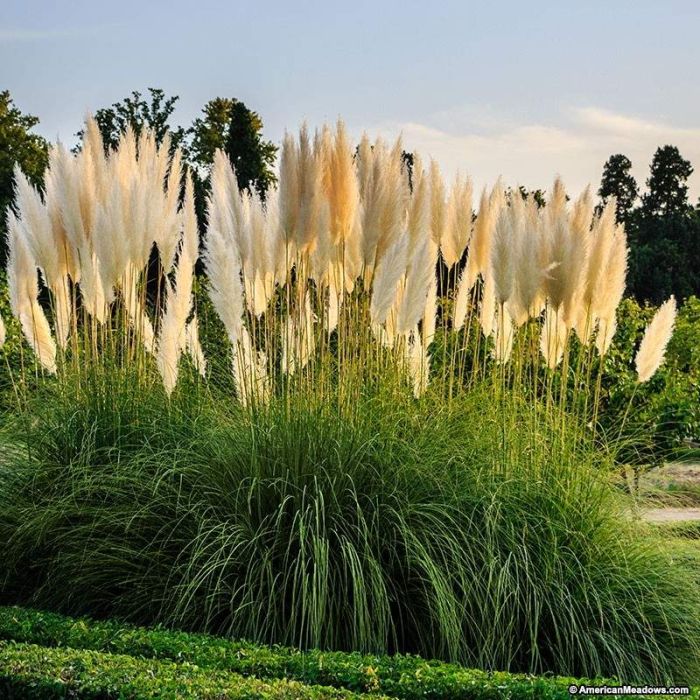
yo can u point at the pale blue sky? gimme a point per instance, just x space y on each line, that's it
521 90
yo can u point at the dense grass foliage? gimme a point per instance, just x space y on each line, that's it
404 677
398 525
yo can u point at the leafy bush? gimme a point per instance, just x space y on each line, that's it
661 414
30 672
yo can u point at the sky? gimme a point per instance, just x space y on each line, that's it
522 90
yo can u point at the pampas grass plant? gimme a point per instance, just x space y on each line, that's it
392 468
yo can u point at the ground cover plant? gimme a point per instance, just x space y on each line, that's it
396 460
403 677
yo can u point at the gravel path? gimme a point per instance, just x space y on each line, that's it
671 515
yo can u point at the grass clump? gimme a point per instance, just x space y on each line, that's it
392 527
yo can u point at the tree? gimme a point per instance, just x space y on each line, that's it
668 191
137 112
618 182
252 157
227 124
17 145
209 133
664 233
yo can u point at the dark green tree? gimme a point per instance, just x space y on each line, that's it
251 156
618 182
138 112
667 183
227 124
209 132
17 145
664 233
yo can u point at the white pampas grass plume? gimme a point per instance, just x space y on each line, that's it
605 334
601 241
652 349
430 313
38 332
458 225
487 310
613 287
223 268
384 198
421 272
580 224
179 298
194 348
503 337
419 206
553 337
530 268
386 279
503 253
250 376
289 186
559 249
438 208
3 332
341 184
417 362
24 290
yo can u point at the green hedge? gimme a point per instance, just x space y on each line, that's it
31 672
405 677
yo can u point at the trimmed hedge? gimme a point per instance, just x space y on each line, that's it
404 677
31 672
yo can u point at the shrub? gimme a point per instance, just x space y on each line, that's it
405 677
29 672
661 415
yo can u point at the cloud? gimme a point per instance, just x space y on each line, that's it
575 144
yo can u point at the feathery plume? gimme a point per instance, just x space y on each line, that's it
652 349
503 337
438 218
194 348
430 313
553 336
24 290
420 273
604 335
390 270
458 224
487 310
417 362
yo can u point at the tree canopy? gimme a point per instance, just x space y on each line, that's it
17 145
137 112
618 182
663 229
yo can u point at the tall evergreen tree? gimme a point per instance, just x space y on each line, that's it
618 182
667 183
664 233
252 157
